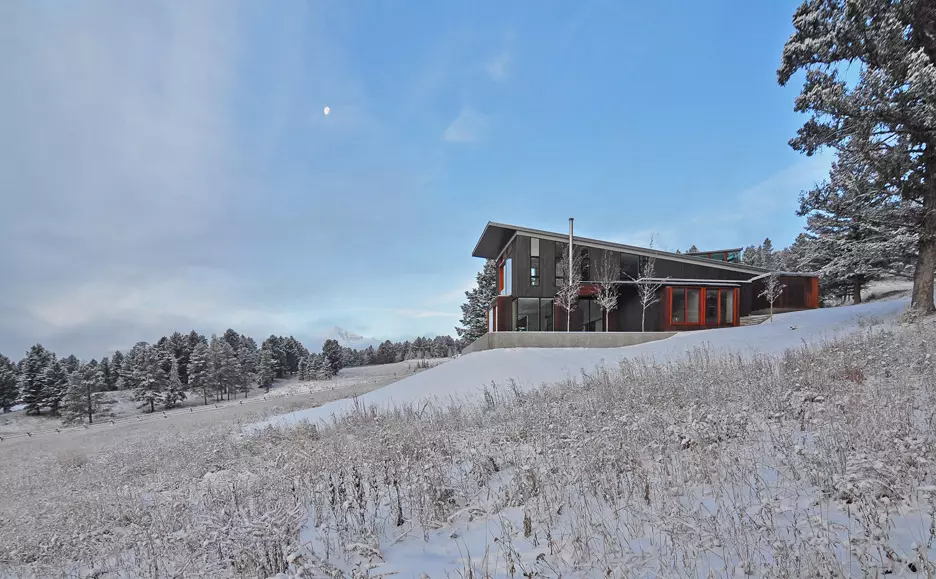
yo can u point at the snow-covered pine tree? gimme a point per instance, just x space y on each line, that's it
201 375
478 300
266 369
151 380
889 101
331 353
247 357
104 368
116 366
750 255
692 249
9 389
55 386
86 399
766 258
303 375
175 390
32 378
861 231
71 363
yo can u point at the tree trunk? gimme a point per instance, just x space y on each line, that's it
643 317
856 291
922 300
152 406
568 319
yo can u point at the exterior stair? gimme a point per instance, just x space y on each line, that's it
754 320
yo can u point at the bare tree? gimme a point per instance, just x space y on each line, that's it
772 290
648 286
607 274
568 280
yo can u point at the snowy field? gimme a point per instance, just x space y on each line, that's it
466 377
125 409
801 448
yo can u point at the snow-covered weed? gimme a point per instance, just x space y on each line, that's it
817 463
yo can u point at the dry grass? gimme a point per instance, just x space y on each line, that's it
818 464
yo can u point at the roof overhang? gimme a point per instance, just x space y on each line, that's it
493 240
497 235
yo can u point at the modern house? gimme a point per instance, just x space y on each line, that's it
698 290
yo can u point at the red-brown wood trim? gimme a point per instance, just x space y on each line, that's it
736 303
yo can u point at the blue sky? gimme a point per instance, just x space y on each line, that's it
168 166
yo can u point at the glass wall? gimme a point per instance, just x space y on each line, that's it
711 306
547 311
727 306
592 315
527 314
687 307
679 306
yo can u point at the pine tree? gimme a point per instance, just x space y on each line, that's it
766 258
266 369
116 365
201 376
478 301
55 386
331 351
32 378
9 389
860 231
890 106
227 370
71 363
151 381
86 399
104 368
175 391
303 374
692 249
247 357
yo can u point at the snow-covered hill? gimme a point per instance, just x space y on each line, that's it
466 377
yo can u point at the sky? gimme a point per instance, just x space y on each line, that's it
167 165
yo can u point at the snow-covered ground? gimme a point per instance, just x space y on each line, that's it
892 288
765 451
467 376
125 408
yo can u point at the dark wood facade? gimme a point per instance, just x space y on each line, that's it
706 293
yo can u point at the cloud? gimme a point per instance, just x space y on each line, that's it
498 67
468 127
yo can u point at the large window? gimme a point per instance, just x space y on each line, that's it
686 305
527 311
592 315
727 306
560 278
533 314
702 306
586 265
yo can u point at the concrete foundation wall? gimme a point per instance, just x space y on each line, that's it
563 340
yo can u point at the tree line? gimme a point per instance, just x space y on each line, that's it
163 374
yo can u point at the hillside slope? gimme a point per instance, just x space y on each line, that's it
466 377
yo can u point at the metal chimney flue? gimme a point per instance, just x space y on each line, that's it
571 221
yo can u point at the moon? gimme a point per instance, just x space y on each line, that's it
327 110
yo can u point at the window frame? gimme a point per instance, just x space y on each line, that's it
703 321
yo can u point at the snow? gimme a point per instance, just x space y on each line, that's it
467 376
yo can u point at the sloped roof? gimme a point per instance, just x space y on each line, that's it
497 235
